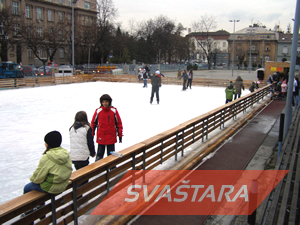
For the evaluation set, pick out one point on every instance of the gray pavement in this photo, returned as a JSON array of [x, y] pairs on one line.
[[218, 74]]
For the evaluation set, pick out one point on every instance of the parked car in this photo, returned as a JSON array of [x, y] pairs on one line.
[[40, 71], [29, 70]]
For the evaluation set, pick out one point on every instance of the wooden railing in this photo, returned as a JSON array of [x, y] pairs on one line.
[[146, 155]]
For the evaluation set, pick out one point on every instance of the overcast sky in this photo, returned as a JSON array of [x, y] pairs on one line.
[[266, 12]]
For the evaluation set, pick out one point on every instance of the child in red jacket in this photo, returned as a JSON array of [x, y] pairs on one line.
[[109, 125]]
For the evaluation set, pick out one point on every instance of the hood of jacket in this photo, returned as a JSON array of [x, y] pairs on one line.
[[230, 86], [239, 78], [58, 155]]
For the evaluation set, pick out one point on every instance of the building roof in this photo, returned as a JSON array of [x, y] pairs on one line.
[[217, 35]]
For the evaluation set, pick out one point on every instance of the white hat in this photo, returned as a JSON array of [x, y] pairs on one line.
[[157, 71]]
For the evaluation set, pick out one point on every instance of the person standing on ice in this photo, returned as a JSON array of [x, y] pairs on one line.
[[108, 123], [190, 79], [156, 84], [81, 141], [185, 78], [54, 169], [239, 85], [145, 77], [230, 91]]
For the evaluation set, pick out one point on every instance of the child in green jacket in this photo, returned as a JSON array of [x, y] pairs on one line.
[[230, 91], [54, 169]]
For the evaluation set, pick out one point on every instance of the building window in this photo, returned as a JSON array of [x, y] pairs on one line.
[[41, 53], [298, 49], [1, 4], [39, 31], [60, 16], [285, 50], [86, 5], [60, 2], [29, 31], [60, 35], [224, 44], [61, 53], [1, 28], [254, 58], [30, 53], [69, 17], [16, 29], [50, 15], [15, 8], [51, 51], [27, 11], [39, 14], [69, 3], [267, 58]]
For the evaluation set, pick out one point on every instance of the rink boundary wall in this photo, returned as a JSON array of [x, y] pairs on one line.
[[146, 155], [47, 81]]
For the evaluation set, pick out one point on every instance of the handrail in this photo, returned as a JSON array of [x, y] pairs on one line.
[[146, 155]]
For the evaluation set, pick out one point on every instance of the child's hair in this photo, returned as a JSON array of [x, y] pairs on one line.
[[107, 98], [81, 117]]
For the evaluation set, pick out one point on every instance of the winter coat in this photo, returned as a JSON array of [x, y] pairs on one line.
[[239, 85], [53, 171], [230, 91], [253, 86], [81, 142], [284, 87], [190, 76], [108, 123], [185, 76], [155, 80], [145, 76], [271, 78]]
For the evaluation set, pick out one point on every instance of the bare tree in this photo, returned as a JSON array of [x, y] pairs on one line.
[[204, 26], [9, 31], [43, 42]]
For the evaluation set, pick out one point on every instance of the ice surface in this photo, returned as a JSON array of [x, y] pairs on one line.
[[27, 114]]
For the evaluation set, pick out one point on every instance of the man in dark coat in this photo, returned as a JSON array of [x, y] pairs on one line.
[[239, 85], [156, 84]]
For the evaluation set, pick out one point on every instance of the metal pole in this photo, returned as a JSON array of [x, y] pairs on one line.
[[250, 52], [233, 42], [263, 52], [292, 69], [73, 2], [89, 60]]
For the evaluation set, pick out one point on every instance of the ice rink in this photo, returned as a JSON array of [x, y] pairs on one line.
[[27, 114]]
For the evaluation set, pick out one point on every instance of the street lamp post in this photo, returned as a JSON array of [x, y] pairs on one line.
[[73, 2], [233, 42], [250, 32], [263, 52]]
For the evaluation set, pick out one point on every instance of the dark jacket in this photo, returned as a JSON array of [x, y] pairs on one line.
[[155, 80], [184, 76], [253, 86], [239, 85]]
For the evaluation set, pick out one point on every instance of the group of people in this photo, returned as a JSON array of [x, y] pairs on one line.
[[187, 78], [234, 89], [55, 166], [280, 86]]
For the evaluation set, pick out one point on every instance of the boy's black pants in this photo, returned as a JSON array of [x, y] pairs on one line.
[[101, 150]]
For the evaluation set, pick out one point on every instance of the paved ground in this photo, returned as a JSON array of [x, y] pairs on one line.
[[251, 146]]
